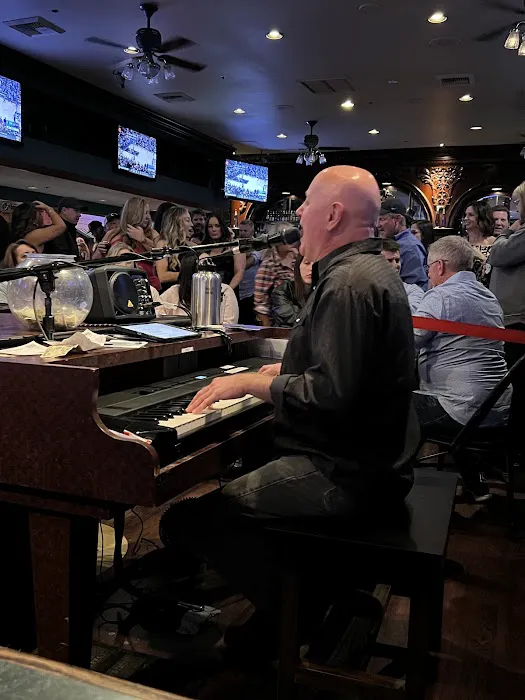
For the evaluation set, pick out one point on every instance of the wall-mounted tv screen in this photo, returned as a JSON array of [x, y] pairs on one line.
[[10, 109], [246, 181], [137, 153]]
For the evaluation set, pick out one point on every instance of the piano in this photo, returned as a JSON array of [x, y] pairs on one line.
[[66, 462]]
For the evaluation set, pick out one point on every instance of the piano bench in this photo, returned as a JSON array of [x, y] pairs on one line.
[[407, 556]]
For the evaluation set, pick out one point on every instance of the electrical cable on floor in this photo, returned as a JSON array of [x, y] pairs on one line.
[[138, 542]]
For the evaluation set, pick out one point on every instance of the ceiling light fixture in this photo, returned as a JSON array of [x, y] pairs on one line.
[[348, 105], [521, 50], [282, 136], [466, 98], [441, 145], [239, 110], [32, 187], [102, 200], [437, 17], [312, 153], [497, 189], [374, 132], [274, 35], [285, 193], [132, 50], [513, 39], [476, 128], [386, 184]]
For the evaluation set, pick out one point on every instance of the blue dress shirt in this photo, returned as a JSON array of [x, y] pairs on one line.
[[413, 259]]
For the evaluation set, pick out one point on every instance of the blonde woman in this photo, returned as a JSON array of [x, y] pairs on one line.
[[136, 230], [177, 230]]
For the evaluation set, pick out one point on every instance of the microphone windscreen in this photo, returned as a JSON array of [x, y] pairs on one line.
[[292, 235]]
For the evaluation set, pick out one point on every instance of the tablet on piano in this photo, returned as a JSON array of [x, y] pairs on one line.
[[158, 332]]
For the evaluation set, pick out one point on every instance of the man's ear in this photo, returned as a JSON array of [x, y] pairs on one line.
[[335, 216]]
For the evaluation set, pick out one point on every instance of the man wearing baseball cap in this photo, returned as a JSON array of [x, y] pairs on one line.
[[392, 224], [69, 209]]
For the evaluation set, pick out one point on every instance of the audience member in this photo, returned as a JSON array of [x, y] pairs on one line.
[[230, 263], [136, 230], [176, 301], [159, 215], [423, 230], [15, 254], [277, 267], [289, 298], [247, 286], [392, 224], [330, 462], [27, 222], [391, 252], [176, 231], [198, 218], [101, 248], [457, 373], [96, 230], [501, 216], [479, 227], [69, 209]]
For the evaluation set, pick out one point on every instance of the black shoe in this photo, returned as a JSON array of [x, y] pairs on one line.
[[477, 490]]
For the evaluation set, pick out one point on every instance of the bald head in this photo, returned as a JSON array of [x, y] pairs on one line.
[[342, 205]]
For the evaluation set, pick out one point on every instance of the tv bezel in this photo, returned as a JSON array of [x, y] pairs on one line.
[[255, 201], [122, 171], [3, 139]]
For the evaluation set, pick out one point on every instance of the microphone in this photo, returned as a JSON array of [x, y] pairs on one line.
[[287, 237]]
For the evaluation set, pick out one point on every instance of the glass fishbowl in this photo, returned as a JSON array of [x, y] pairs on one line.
[[71, 300]]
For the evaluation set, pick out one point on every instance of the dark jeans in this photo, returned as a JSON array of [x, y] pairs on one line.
[[225, 527], [246, 311], [436, 423]]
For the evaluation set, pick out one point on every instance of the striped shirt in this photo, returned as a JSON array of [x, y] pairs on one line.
[[273, 271]]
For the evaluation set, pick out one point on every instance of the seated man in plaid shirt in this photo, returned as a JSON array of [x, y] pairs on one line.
[[277, 267]]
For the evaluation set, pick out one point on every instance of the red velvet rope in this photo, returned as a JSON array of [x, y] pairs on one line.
[[431, 324]]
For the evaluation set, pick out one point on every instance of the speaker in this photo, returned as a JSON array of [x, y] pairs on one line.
[[120, 295]]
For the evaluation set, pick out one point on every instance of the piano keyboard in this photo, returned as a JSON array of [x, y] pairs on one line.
[[162, 407]]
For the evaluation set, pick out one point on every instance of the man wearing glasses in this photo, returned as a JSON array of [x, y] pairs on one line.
[[457, 373]]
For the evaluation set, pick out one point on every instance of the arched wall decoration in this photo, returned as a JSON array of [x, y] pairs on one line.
[[442, 180], [419, 194]]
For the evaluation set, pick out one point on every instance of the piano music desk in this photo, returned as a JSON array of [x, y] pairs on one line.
[[62, 469]]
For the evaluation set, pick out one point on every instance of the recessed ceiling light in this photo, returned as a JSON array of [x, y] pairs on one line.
[[466, 98], [101, 200], [32, 187], [374, 132], [386, 184], [441, 145], [282, 136], [497, 189], [285, 192], [239, 110], [274, 35], [476, 128], [347, 104], [132, 50], [393, 82], [437, 17]]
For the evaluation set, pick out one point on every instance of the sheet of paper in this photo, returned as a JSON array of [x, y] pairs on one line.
[[56, 351], [125, 344], [26, 350], [86, 340], [236, 370]]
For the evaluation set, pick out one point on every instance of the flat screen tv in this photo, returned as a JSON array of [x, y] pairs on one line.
[[10, 110], [137, 153], [246, 181]]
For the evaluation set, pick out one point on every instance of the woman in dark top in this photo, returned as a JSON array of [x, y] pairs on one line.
[[288, 299], [230, 265]]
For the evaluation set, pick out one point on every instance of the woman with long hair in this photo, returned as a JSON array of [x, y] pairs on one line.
[[28, 221], [159, 214], [136, 230], [288, 299], [176, 301], [177, 229], [479, 227], [423, 230], [230, 263], [15, 253]]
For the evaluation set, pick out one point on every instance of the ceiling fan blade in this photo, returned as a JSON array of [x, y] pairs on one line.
[[176, 44], [493, 33], [181, 63], [104, 42]]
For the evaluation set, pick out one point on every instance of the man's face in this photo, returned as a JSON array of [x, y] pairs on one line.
[[198, 223], [387, 225], [71, 215], [393, 258], [436, 271], [501, 221], [245, 230]]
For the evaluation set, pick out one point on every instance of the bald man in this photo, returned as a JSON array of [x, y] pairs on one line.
[[342, 396]]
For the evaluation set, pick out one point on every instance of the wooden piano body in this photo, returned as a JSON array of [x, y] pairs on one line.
[[62, 470]]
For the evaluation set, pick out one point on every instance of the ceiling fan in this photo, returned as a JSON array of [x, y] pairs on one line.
[[152, 54], [504, 29]]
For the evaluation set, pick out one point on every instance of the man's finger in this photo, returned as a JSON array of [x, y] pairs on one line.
[[200, 398]]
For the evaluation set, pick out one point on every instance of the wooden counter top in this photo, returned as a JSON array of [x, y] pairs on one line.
[[111, 357]]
